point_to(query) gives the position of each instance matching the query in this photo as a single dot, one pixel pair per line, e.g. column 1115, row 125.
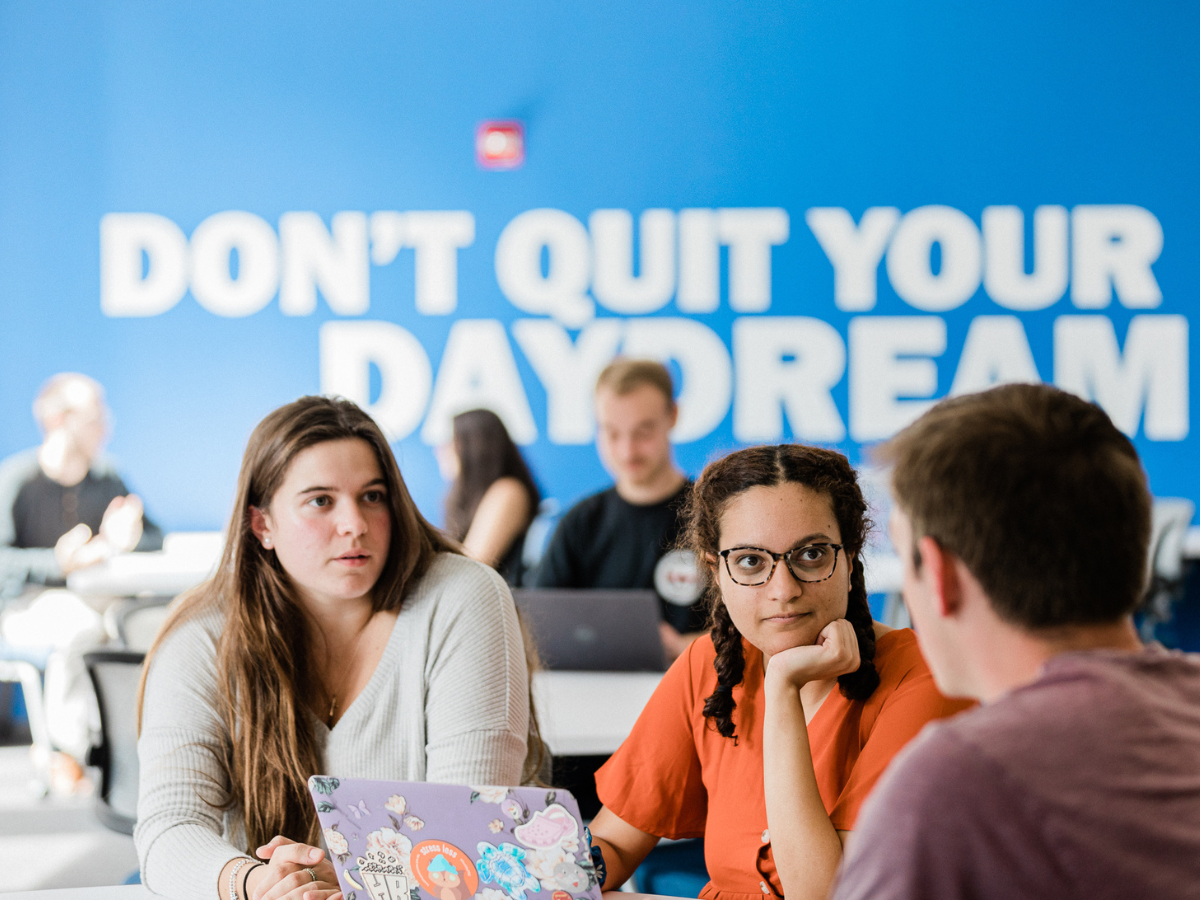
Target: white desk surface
column 590, row 713
column 187, row 558
column 138, row 892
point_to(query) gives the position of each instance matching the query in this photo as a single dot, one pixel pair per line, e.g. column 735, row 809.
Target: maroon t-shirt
column 1085, row 783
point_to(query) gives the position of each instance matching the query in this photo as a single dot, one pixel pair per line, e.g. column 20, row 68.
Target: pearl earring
column 266, row 542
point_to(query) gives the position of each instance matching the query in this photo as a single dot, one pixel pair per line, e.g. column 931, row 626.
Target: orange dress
column 676, row 777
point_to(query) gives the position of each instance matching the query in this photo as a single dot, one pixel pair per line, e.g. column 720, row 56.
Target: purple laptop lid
column 410, row 840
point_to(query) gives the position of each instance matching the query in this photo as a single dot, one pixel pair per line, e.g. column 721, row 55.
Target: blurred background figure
column 63, row 507
column 493, row 497
column 625, row 537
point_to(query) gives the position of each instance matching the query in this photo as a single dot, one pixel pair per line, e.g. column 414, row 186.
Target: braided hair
column 824, row 471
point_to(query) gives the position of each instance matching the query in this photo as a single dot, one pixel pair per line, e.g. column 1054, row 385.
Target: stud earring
column 266, row 542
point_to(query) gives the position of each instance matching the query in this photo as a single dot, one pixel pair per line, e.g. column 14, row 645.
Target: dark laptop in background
column 594, row 630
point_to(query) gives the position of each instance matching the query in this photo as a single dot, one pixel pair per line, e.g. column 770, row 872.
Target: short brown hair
column 623, row 375
column 1038, row 493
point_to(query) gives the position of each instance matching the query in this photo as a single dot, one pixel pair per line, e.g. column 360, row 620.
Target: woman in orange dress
column 766, row 739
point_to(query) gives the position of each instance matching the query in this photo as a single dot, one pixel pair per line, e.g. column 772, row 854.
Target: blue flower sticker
column 505, row 866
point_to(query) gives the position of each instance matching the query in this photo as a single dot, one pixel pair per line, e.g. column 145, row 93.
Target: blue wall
column 188, row 110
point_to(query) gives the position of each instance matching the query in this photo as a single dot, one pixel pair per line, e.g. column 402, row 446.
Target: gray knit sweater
column 448, row 702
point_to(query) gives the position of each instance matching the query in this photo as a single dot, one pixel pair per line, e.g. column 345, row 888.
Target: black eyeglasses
column 750, row 566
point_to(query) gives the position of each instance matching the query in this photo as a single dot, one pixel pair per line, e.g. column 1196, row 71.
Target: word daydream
column 768, row 369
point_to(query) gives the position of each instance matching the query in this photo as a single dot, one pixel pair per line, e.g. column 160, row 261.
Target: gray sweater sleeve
column 477, row 684
column 183, row 781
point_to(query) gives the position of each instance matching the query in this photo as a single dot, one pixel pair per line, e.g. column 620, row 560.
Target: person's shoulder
column 19, row 467
column 507, row 488
column 584, row 513
column 898, row 656
column 450, row 570
column 1094, row 695
column 694, row 667
column 191, row 644
column 700, row 653
column 456, row 580
column 588, row 505
column 935, row 767
column 104, row 467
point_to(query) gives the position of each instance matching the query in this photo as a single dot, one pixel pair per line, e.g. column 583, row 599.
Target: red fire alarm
column 500, row 144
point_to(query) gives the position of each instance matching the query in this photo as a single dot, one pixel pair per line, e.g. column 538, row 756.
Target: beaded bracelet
column 233, row 894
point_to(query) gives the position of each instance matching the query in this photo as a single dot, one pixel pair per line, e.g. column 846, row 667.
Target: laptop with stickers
column 408, row 840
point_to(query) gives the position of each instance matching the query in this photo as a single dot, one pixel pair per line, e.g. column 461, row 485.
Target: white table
column 186, row 559
column 590, row 713
column 138, row 892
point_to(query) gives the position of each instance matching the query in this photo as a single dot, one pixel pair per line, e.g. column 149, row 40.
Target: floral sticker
column 396, row 804
column 504, row 866
column 495, row 826
column 513, row 809
column 489, row 794
column 542, row 862
column 413, row 823
column 385, row 867
column 387, row 842
column 337, row 844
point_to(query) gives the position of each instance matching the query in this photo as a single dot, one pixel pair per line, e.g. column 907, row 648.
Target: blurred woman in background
column 493, row 497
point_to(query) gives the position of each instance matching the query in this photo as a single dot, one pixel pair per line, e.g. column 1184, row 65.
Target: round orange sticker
column 444, row 871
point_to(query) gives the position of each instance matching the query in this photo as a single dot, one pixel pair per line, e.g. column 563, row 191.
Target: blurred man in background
column 63, row 507
column 624, row 537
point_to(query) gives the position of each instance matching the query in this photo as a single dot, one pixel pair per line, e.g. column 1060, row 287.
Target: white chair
column 537, row 537
column 1170, row 519
column 133, row 623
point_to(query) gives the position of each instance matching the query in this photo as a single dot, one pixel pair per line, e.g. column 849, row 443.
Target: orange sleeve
column 653, row 781
column 914, row 702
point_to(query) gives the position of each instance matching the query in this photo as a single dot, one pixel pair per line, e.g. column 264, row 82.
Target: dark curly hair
column 824, row 471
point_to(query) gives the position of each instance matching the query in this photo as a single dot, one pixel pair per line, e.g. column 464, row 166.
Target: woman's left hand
column 286, row 874
column 835, row 653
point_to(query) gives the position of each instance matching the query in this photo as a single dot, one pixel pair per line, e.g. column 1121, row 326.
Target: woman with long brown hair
column 340, row 634
column 492, row 497
column 765, row 738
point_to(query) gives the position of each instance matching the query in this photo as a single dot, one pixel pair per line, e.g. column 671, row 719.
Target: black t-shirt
column 604, row 541
column 45, row 510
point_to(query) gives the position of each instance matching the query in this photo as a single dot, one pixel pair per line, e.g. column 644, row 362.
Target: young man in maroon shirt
column 1023, row 523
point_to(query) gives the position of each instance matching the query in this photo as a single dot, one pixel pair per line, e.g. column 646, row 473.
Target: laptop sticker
column 444, row 871
column 505, row 866
column 547, row 828
column 384, row 869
